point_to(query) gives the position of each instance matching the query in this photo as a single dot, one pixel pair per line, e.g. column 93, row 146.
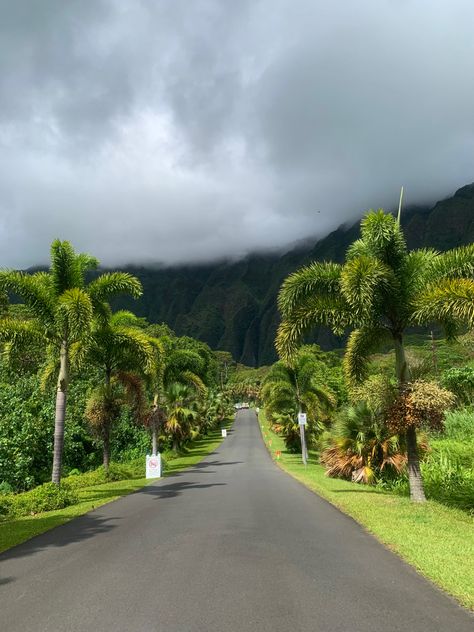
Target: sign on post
column 224, row 432
column 302, row 419
column 153, row 466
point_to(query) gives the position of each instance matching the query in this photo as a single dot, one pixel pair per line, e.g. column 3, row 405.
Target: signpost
column 302, row 421
column 153, row 466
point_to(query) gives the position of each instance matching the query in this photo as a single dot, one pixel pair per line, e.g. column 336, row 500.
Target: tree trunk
column 415, row 479
column 60, row 416
column 417, row 493
column 154, row 446
column 106, row 449
column 175, row 445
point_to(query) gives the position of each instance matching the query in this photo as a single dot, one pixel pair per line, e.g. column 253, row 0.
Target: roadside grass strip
column 17, row 530
column 437, row 540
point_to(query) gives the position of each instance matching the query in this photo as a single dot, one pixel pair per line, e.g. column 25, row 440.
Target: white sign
column 153, row 466
column 224, row 432
column 302, row 419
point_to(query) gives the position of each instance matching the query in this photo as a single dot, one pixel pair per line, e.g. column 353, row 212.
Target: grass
column 437, row 540
column 16, row 531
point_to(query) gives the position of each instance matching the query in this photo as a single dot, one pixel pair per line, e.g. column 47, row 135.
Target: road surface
column 232, row 545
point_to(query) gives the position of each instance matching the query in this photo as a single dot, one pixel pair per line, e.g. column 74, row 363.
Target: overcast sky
column 187, row 130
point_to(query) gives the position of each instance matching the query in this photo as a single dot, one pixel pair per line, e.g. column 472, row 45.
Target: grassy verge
column 437, row 540
column 15, row 531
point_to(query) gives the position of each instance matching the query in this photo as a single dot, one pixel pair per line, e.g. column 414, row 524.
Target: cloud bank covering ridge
column 186, row 131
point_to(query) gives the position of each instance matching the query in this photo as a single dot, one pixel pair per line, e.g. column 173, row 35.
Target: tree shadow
column 59, row 535
column 172, row 490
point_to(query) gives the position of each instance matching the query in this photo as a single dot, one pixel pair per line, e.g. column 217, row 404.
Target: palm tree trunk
column 106, row 449
column 417, row 493
column 175, row 445
column 60, row 416
column 154, row 446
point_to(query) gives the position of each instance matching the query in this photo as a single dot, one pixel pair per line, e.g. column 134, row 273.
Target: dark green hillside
column 232, row 306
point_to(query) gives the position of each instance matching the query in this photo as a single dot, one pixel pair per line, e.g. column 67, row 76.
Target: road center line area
column 231, row 545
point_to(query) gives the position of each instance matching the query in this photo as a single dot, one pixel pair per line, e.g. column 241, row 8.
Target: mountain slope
column 232, row 306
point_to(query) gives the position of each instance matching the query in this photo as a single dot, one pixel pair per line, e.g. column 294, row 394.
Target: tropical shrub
column 47, row 497
column 361, row 447
column 460, row 381
column 459, row 424
column 420, row 405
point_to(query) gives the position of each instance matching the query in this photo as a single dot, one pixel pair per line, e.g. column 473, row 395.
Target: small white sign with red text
column 153, row 466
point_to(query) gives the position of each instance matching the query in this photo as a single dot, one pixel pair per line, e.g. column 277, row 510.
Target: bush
column 460, row 381
column 459, row 424
column 47, row 497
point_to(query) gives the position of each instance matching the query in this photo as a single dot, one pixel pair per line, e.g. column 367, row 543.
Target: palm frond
column 362, row 343
column 454, row 264
column 363, row 281
column 383, row 237
column 447, row 301
column 65, row 273
column 113, row 284
column 33, row 289
column 317, row 279
column 333, row 313
column 74, row 312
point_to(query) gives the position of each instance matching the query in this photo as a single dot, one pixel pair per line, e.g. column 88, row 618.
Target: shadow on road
column 80, row 528
column 176, row 489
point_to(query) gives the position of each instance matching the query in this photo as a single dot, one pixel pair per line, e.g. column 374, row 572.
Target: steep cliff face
column 232, row 306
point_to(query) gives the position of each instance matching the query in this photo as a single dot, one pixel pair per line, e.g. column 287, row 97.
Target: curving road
column 231, row 545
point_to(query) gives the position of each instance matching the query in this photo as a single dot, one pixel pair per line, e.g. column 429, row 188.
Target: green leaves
column 34, row 289
column 316, row 280
column 365, row 281
column 361, row 344
column 447, row 300
column 113, row 284
column 74, row 314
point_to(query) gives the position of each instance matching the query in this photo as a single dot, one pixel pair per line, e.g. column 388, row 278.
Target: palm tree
column 63, row 305
column 179, row 414
column 123, row 355
column 297, row 387
column 172, row 366
column 380, row 291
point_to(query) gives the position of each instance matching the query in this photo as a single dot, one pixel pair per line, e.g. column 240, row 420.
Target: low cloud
column 175, row 132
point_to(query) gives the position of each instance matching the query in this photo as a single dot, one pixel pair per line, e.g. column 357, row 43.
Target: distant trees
column 380, row 291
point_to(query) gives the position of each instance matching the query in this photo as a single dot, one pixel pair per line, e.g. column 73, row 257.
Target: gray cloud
column 186, row 131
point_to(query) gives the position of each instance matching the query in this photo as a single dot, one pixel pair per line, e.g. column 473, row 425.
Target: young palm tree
column 172, row 366
column 62, row 304
column 123, row 355
column 297, row 387
column 380, row 291
column 179, row 415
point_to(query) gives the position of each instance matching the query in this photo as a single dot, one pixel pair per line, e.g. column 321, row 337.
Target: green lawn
column 13, row 532
column 437, row 540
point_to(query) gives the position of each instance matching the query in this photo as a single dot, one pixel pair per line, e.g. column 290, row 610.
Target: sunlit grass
column 13, row 532
column 437, row 540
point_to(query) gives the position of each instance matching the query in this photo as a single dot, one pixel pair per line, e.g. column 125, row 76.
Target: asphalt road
column 231, row 545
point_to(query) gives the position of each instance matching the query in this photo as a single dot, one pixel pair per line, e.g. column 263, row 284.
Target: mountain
column 232, row 306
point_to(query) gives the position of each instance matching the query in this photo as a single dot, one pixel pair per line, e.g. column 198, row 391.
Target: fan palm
column 380, row 291
column 62, row 305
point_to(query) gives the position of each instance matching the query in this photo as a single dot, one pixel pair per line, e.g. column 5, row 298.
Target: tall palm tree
column 63, row 305
column 123, row 355
column 380, row 291
column 297, row 387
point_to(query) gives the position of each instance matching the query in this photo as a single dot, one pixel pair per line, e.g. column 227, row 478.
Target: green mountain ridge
column 232, row 305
